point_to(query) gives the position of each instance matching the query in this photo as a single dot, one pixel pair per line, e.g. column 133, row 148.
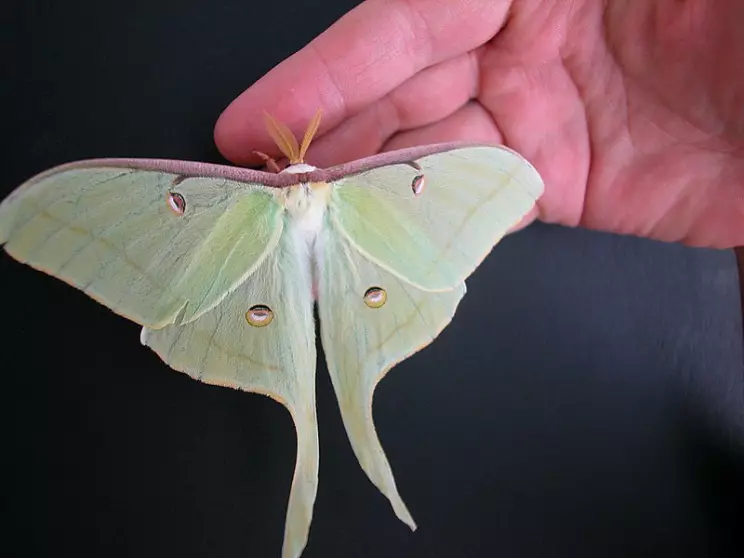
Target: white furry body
column 306, row 205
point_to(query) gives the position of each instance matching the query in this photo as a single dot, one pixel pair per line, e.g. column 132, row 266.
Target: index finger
column 363, row 56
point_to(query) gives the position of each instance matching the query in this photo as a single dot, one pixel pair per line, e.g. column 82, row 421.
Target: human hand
column 633, row 112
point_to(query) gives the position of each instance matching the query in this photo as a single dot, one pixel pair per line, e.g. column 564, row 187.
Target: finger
column 361, row 58
column 470, row 123
column 429, row 96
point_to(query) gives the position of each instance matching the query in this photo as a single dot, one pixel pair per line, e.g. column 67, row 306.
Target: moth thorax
column 298, row 168
column 306, row 206
column 298, row 200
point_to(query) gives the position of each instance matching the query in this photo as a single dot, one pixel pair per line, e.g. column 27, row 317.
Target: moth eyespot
column 418, row 184
column 176, row 203
column 259, row 315
column 375, row 297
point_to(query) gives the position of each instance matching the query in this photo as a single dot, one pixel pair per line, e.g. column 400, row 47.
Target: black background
column 587, row 400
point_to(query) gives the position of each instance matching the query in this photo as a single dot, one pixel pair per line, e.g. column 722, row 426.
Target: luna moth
column 222, row 267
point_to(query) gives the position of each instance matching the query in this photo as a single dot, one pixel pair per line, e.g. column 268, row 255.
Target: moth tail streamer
column 304, row 486
column 362, row 434
column 303, row 491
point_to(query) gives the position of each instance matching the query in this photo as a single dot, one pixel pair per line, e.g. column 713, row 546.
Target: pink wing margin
column 271, row 180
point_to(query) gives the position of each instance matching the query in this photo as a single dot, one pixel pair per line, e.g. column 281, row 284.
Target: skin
column 633, row 112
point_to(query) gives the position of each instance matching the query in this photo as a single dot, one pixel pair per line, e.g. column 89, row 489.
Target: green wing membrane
column 111, row 233
column 362, row 343
column 434, row 240
column 278, row 360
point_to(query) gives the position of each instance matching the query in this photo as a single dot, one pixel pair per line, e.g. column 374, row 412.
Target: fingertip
column 227, row 138
column 531, row 217
column 290, row 92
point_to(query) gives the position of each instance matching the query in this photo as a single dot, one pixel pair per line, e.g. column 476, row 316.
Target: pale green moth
column 222, row 265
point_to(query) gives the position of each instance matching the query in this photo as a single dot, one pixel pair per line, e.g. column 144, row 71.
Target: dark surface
column 588, row 399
